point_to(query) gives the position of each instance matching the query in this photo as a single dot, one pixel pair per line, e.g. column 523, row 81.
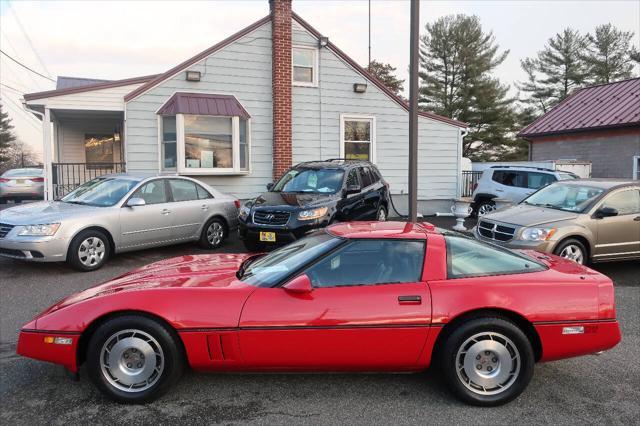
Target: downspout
column 462, row 133
column 48, row 172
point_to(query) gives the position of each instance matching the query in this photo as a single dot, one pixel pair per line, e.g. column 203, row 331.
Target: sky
column 120, row 39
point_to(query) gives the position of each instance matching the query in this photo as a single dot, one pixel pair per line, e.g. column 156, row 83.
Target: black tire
column 484, row 204
column 382, row 211
column 572, row 245
column 163, row 341
column 252, row 246
column 211, row 237
column 73, row 256
column 518, row 376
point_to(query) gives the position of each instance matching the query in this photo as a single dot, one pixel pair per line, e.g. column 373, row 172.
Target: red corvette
column 379, row 296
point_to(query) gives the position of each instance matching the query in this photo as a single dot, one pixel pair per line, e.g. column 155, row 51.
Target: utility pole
column 414, row 56
column 369, row 63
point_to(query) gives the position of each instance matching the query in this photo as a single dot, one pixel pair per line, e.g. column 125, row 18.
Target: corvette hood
column 199, row 271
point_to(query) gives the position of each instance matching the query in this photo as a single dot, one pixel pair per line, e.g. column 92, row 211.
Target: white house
column 237, row 115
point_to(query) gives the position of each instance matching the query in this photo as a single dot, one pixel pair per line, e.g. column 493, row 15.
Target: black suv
column 310, row 196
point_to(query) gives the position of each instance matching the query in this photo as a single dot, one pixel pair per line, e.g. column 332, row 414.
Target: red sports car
column 381, row 296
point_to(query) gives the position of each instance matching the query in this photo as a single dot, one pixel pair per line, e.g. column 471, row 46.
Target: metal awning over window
column 203, row 104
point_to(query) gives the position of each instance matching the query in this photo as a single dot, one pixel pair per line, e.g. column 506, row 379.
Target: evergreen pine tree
column 609, row 54
column 386, row 74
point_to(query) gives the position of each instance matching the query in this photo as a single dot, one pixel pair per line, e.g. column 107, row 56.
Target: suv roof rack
column 523, row 167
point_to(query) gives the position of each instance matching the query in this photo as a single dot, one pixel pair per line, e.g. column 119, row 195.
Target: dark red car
column 360, row 296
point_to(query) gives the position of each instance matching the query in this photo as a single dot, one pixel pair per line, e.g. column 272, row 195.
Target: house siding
column 316, row 127
column 111, row 99
column 241, row 69
column 70, row 135
column 611, row 155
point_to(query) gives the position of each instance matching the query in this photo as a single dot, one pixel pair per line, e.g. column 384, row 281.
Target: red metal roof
column 598, row 107
column 203, row 104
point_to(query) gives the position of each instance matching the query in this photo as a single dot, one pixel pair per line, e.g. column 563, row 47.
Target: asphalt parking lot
column 591, row 389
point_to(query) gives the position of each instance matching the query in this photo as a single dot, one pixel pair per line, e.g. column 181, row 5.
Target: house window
column 205, row 144
column 98, row 149
column 304, row 61
column 169, row 142
column 208, row 142
column 636, row 167
column 358, row 134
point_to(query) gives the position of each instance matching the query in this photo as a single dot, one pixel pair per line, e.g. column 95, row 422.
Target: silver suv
column 513, row 183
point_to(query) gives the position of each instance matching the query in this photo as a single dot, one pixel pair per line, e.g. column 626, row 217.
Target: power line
column 26, row 35
column 15, row 106
column 37, row 83
column 26, row 67
column 12, row 88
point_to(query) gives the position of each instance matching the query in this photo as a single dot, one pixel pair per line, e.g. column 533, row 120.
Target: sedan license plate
column 269, row 237
column 20, row 181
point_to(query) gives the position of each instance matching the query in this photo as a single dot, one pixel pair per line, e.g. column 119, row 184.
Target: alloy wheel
column 488, row 363
column 486, row 208
column 215, row 233
column 91, row 251
column 573, row 252
column 132, row 360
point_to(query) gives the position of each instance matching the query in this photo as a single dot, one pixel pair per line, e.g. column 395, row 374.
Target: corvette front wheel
column 487, row 361
column 134, row 359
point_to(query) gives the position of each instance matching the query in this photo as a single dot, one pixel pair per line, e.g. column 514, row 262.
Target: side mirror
column 606, row 212
column 136, row 202
column 269, row 186
column 352, row 189
column 299, row 285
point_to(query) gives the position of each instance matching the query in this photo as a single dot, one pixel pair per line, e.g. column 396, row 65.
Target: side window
column 538, row 180
column 471, row 258
column 203, row 194
column 626, row 202
column 368, row 262
column 153, row 192
column 183, row 190
column 365, row 176
column 352, row 178
column 510, row 178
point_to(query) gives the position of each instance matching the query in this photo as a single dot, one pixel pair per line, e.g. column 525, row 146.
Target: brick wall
column 281, row 68
column 611, row 154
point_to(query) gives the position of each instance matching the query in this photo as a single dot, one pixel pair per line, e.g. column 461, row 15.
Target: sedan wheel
column 573, row 252
column 91, row 252
column 213, row 234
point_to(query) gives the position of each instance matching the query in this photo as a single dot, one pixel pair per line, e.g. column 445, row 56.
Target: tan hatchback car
column 586, row 220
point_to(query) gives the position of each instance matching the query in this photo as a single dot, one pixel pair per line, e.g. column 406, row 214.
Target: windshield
column 571, row 198
column 321, row 181
column 23, row 172
column 100, row 192
column 272, row 268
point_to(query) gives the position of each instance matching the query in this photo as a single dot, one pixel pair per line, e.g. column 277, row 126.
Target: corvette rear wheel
column 134, row 359
column 487, row 361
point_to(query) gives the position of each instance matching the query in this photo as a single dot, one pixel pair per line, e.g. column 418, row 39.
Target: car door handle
column 165, row 211
column 499, row 190
column 204, row 207
column 637, row 218
column 409, row 300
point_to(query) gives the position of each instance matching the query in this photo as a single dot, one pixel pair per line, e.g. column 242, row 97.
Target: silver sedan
column 114, row 214
column 22, row 184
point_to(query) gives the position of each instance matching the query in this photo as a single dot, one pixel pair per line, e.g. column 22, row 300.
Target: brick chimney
column 281, row 82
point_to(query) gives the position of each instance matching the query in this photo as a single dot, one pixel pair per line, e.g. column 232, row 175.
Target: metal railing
column 468, row 182
column 68, row 176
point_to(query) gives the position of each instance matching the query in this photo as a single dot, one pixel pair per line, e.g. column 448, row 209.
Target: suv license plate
column 268, row 237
